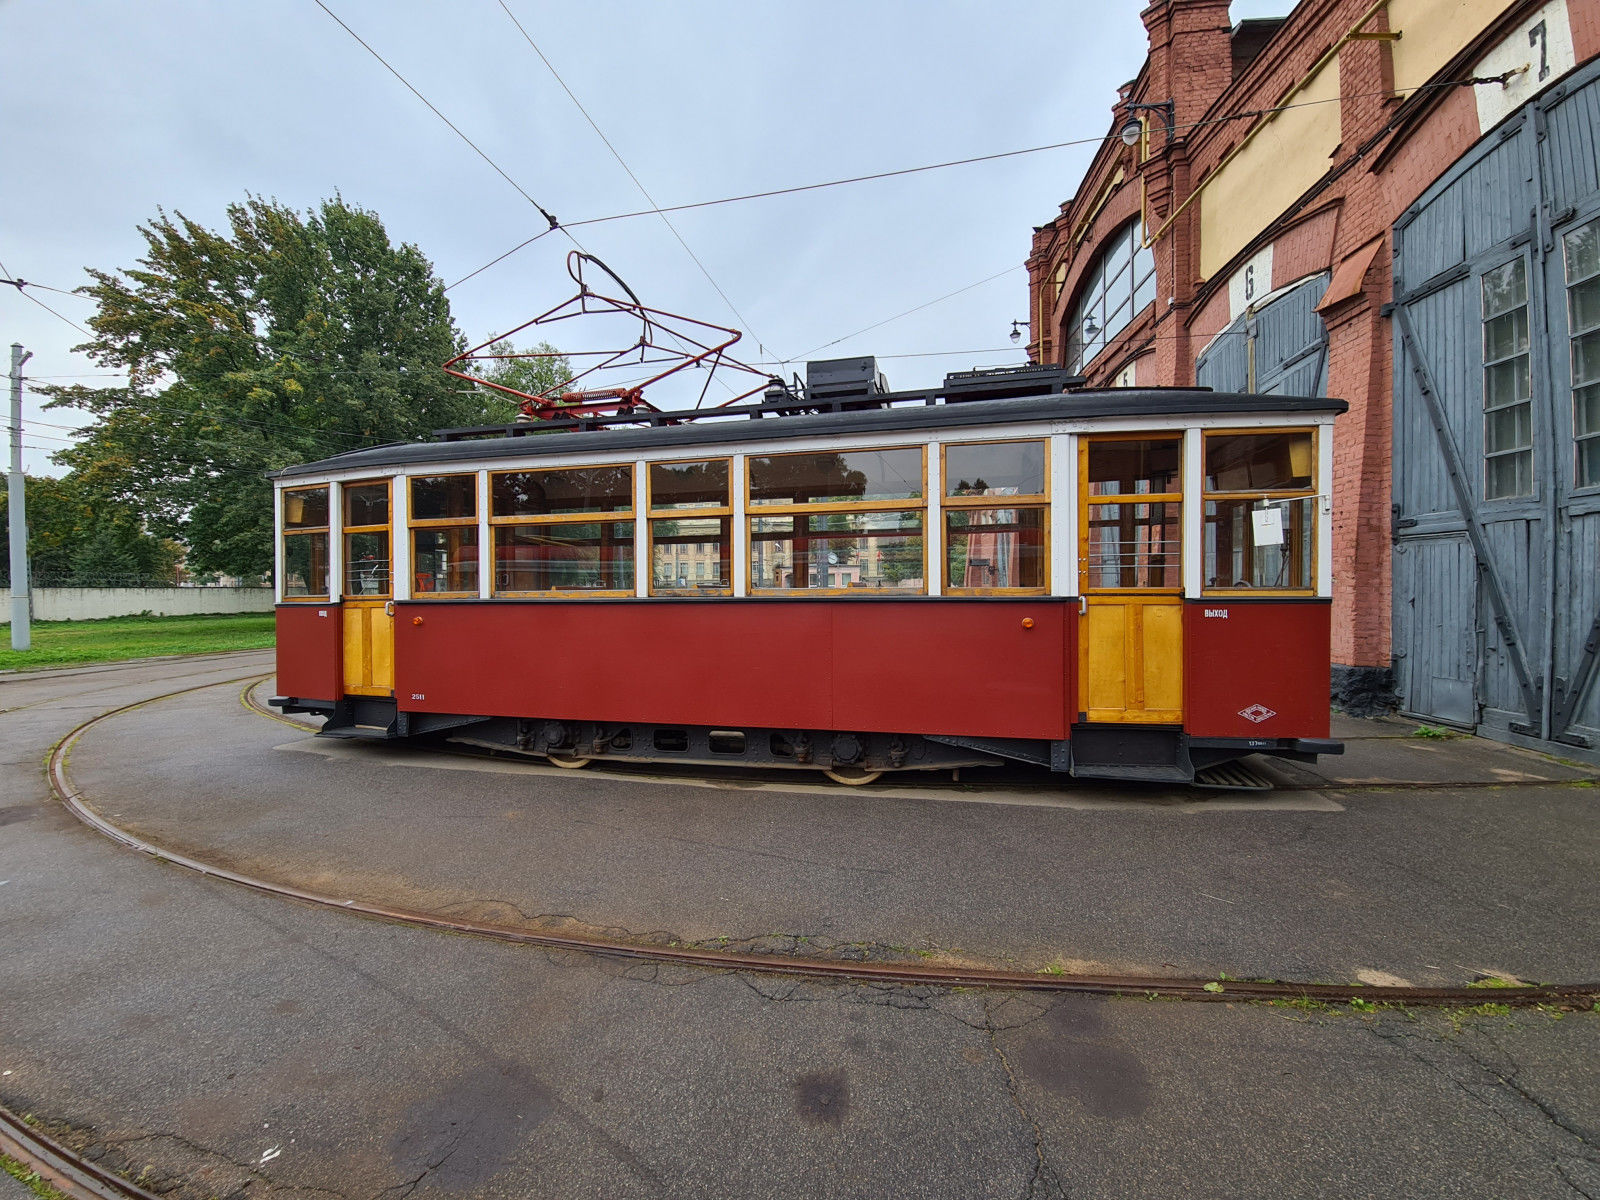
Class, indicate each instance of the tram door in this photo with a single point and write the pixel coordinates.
(1130, 635)
(368, 590)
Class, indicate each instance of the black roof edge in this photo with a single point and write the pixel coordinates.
(1109, 403)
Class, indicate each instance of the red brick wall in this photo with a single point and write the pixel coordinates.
(1391, 151)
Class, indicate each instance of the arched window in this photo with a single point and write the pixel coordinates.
(1113, 291)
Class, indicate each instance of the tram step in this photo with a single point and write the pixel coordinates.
(379, 733)
(1132, 772)
(1233, 777)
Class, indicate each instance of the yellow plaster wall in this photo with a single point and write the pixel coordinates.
(1432, 32)
(1289, 154)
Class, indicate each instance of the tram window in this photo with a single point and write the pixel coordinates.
(444, 498)
(691, 550)
(1260, 511)
(305, 544)
(591, 556)
(1136, 467)
(857, 552)
(687, 485)
(671, 544)
(563, 491)
(1134, 546)
(366, 540)
(994, 469)
(366, 504)
(988, 547)
(836, 477)
(444, 535)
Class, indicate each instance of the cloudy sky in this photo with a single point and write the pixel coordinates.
(114, 109)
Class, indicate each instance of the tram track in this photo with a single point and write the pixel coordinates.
(836, 970)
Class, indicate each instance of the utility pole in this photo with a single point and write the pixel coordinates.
(21, 634)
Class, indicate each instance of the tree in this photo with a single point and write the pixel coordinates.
(284, 339)
(75, 540)
(532, 376)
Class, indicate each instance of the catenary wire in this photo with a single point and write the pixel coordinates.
(643, 191)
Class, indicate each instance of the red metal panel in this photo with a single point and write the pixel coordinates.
(721, 663)
(958, 667)
(1262, 657)
(310, 651)
(974, 667)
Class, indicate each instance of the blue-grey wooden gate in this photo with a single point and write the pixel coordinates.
(1497, 392)
(1279, 349)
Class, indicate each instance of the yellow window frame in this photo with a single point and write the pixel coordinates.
(1035, 501)
(1313, 534)
(496, 523)
(704, 512)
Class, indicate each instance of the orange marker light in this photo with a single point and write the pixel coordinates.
(416, 620)
(1027, 622)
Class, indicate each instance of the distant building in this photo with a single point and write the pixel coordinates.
(1396, 203)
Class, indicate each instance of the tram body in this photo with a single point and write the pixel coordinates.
(1118, 584)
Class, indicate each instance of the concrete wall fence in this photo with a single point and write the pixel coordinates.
(89, 604)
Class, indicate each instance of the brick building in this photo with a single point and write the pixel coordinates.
(1396, 203)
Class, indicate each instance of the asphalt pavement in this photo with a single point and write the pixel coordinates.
(219, 1042)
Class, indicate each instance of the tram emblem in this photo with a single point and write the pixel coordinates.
(1256, 713)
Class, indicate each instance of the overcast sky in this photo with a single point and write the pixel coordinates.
(113, 109)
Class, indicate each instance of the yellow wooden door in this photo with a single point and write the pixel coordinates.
(1130, 631)
(368, 648)
(1132, 659)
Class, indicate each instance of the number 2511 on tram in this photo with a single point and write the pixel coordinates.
(1118, 584)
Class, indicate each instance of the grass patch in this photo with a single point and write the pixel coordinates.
(1437, 734)
(29, 1179)
(68, 643)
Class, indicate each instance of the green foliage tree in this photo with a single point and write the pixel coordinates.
(78, 540)
(532, 376)
(285, 338)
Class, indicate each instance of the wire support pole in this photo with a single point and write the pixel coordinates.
(16, 499)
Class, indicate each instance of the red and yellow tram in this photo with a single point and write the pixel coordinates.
(1119, 584)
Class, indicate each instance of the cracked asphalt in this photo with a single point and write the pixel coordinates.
(223, 1043)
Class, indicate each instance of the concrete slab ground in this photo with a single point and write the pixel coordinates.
(1433, 885)
(220, 1043)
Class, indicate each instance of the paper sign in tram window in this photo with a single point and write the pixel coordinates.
(1268, 526)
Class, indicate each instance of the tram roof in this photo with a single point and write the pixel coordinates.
(736, 425)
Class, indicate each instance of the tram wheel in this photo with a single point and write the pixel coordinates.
(570, 764)
(851, 776)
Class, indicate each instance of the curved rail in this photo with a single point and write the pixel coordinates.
(905, 974)
(62, 1168)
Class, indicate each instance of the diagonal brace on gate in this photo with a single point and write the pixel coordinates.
(1499, 603)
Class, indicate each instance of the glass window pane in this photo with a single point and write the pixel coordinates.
(366, 504)
(305, 562)
(1258, 462)
(1134, 467)
(864, 552)
(1589, 462)
(366, 564)
(994, 469)
(995, 548)
(1505, 288)
(1509, 475)
(1506, 383)
(445, 560)
(1585, 305)
(1505, 335)
(306, 508)
(681, 557)
(442, 497)
(583, 556)
(1582, 247)
(568, 490)
(1233, 560)
(1586, 410)
(847, 475)
(689, 485)
(1586, 358)
(1134, 546)
(1508, 429)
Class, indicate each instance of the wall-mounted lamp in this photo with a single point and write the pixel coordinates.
(1133, 128)
(1090, 328)
(1016, 331)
